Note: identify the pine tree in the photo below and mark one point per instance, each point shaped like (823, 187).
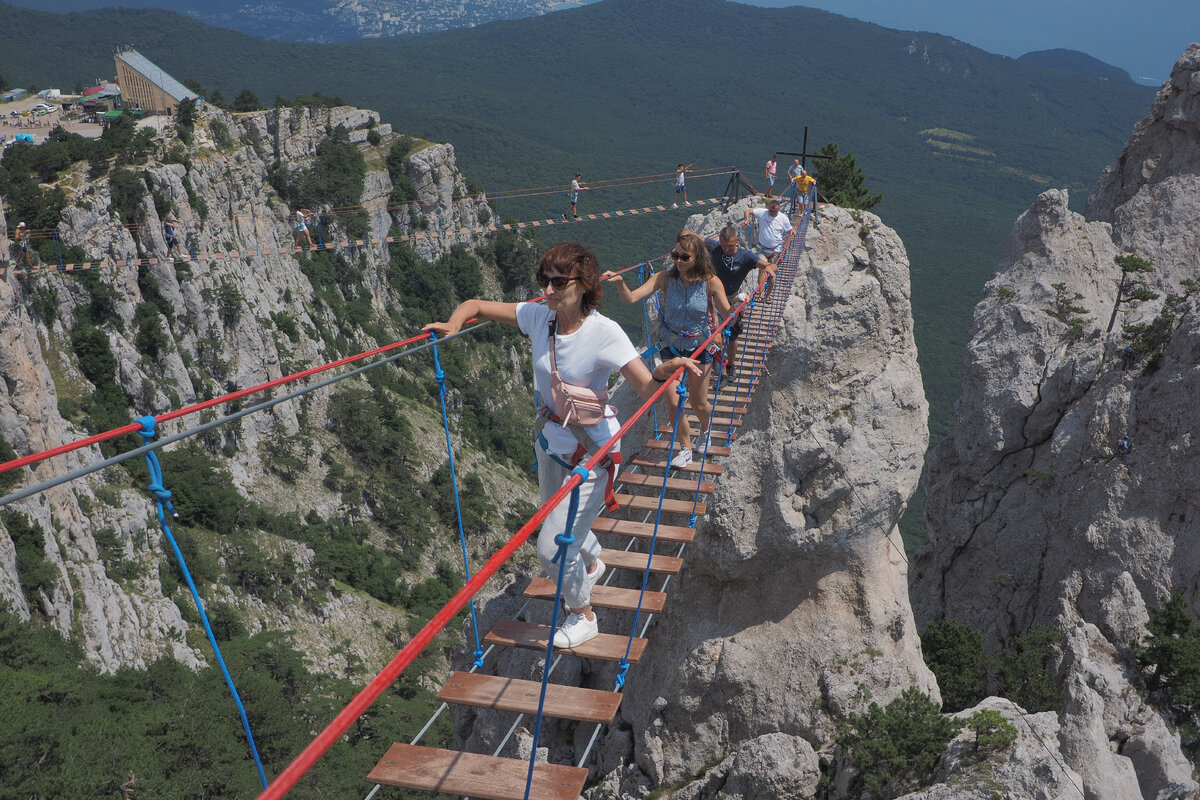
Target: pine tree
(840, 180)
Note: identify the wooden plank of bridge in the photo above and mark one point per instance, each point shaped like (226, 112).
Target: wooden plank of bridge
(512, 694)
(625, 559)
(639, 502)
(717, 422)
(696, 466)
(472, 775)
(663, 444)
(717, 434)
(643, 530)
(655, 482)
(726, 409)
(602, 596)
(530, 636)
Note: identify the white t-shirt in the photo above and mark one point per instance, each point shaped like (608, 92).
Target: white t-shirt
(586, 357)
(772, 230)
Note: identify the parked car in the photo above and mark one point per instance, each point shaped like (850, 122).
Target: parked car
(43, 107)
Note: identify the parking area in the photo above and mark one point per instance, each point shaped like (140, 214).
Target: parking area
(37, 117)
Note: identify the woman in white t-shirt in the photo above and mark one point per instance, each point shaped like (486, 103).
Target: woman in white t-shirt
(588, 348)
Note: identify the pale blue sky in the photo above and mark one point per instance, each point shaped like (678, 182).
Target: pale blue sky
(1142, 37)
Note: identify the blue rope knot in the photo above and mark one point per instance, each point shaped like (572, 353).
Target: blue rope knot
(563, 540)
(681, 390)
(159, 491)
(583, 472)
(622, 669)
(478, 655)
(148, 423)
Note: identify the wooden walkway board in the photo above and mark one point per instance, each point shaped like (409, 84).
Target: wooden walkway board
(528, 636)
(694, 467)
(717, 433)
(639, 502)
(663, 444)
(673, 484)
(718, 423)
(723, 409)
(473, 775)
(510, 694)
(643, 530)
(624, 559)
(603, 596)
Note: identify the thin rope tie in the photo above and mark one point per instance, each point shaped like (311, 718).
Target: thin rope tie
(162, 499)
(440, 375)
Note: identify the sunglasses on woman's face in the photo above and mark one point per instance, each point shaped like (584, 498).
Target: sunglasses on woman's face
(559, 282)
(681, 256)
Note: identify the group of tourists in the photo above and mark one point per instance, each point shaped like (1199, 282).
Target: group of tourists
(575, 351)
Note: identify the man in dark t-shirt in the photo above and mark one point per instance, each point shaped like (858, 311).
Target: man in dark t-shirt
(733, 263)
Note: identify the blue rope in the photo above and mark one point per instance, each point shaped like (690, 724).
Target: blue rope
(564, 540)
(163, 499)
(712, 413)
(623, 664)
(440, 375)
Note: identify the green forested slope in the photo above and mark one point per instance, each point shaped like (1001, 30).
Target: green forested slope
(959, 141)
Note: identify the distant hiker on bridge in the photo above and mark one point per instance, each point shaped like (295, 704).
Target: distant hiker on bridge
(681, 183)
(773, 228)
(303, 215)
(769, 173)
(575, 351)
(688, 290)
(573, 196)
(169, 224)
(732, 264)
(21, 240)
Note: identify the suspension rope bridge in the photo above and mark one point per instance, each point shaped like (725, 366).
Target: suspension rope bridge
(419, 767)
(197, 251)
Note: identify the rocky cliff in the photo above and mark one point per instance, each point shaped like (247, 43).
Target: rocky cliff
(1036, 513)
(245, 311)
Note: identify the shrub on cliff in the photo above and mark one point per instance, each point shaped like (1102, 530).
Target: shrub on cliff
(954, 652)
(1170, 664)
(896, 748)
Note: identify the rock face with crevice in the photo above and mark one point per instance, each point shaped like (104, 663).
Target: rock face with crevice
(792, 611)
(1035, 515)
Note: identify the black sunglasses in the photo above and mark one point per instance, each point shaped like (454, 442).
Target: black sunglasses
(558, 281)
(681, 256)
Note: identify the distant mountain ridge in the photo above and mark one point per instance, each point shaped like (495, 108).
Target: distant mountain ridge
(1075, 61)
(325, 20)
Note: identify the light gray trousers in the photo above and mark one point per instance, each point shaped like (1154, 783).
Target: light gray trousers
(586, 548)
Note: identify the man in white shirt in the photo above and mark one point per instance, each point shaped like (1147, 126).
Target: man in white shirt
(773, 228)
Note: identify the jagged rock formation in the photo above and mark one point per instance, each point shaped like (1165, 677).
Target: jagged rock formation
(223, 336)
(1031, 767)
(1033, 516)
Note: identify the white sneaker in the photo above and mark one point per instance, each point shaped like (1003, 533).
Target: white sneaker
(594, 577)
(702, 442)
(682, 459)
(674, 205)
(575, 631)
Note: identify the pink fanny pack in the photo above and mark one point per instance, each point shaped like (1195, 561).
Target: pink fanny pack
(574, 405)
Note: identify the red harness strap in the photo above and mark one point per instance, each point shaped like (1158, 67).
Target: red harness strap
(612, 464)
